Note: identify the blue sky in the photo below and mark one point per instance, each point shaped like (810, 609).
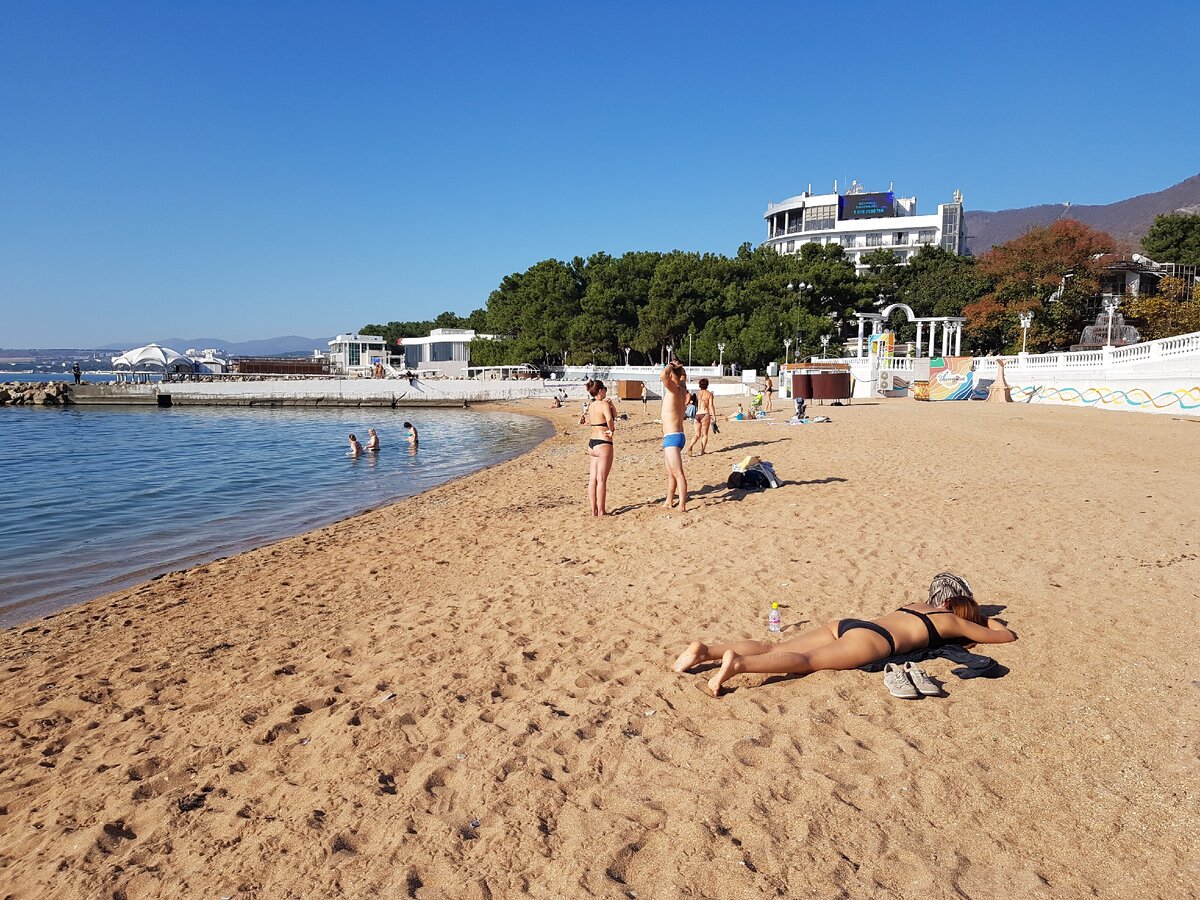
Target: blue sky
(246, 170)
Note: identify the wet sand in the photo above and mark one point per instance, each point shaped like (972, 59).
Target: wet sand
(469, 694)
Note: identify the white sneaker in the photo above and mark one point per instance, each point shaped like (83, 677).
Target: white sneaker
(897, 683)
(922, 682)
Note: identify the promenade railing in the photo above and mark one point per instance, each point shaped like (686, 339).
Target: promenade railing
(1182, 345)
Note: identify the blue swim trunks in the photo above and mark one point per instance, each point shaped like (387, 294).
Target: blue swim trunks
(675, 439)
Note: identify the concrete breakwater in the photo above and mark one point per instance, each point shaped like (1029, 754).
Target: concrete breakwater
(348, 392)
(34, 393)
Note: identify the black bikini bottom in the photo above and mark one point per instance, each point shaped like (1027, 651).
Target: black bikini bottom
(595, 442)
(850, 624)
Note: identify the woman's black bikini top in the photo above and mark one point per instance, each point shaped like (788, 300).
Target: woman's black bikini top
(936, 640)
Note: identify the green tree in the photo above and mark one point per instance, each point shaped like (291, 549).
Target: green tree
(615, 288)
(935, 282)
(1174, 238)
(532, 313)
(449, 319)
(683, 289)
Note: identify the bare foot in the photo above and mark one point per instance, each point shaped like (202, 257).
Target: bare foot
(689, 657)
(723, 674)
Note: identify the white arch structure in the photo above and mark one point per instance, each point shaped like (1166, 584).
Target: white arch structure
(951, 327)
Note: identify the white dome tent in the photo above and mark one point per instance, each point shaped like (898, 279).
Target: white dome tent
(151, 358)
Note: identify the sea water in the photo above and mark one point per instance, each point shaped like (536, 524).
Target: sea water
(96, 499)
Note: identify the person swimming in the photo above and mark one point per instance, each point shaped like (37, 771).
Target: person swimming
(411, 434)
(372, 441)
(356, 449)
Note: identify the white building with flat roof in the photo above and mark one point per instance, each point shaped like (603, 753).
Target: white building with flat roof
(446, 351)
(862, 222)
(356, 354)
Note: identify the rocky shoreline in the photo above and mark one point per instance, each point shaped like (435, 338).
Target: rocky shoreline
(35, 393)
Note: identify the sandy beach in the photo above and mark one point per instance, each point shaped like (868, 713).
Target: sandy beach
(468, 694)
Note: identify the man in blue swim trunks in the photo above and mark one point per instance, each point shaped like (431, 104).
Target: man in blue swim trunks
(675, 398)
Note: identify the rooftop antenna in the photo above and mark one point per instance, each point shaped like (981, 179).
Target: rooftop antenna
(891, 186)
(835, 185)
(810, 187)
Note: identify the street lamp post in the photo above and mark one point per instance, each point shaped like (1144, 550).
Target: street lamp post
(1026, 321)
(787, 342)
(670, 350)
(721, 361)
(799, 287)
(824, 345)
(627, 349)
(1110, 307)
(689, 347)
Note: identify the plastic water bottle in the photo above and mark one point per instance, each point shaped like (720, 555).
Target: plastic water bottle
(774, 619)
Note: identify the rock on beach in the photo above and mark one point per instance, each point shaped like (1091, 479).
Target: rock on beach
(35, 393)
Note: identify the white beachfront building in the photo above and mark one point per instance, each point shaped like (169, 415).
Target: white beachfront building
(355, 354)
(446, 351)
(862, 222)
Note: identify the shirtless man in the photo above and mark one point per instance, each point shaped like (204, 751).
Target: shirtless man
(355, 447)
(675, 398)
(706, 413)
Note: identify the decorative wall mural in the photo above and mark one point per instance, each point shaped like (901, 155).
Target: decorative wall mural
(1183, 398)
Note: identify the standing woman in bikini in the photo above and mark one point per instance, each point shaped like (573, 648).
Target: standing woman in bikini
(850, 643)
(600, 419)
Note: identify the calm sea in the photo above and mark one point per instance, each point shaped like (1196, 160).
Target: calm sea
(92, 500)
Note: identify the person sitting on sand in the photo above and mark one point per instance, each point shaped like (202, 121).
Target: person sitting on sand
(372, 441)
(555, 403)
(411, 434)
(356, 449)
(850, 643)
(739, 415)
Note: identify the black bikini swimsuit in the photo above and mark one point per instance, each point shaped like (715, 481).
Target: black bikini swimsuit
(850, 624)
(936, 640)
(596, 442)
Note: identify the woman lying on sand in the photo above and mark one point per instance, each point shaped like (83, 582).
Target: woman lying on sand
(850, 643)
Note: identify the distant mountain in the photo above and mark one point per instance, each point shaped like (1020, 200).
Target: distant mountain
(1126, 220)
(269, 347)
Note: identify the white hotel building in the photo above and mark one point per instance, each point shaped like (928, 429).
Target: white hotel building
(862, 222)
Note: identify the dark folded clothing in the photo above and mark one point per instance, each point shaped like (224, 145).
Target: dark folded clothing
(971, 665)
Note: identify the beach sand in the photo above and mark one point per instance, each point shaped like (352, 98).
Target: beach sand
(468, 694)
